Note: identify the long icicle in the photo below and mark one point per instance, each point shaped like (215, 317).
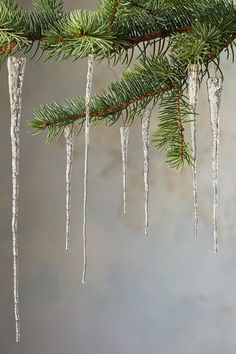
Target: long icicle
(146, 142)
(214, 86)
(124, 139)
(87, 126)
(69, 137)
(193, 73)
(16, 70)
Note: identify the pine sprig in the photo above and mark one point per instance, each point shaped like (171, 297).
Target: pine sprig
(13, 26)
(133, 22)
(139, 87)
(20, 29)
(174, 115)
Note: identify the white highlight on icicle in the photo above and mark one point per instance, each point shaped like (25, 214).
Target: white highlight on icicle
(16, 69)
(146, 142)
(124, 139)
(69, 137)
(214, 86)
(193, 73)
(87, 126)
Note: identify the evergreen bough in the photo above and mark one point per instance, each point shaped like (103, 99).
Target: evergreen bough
(164, 36)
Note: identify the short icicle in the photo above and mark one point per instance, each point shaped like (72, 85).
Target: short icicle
(69, 138)
(214, 86)
(16, 70)
(124, 139)
(87, 126)
(146, 142)
(193, 74)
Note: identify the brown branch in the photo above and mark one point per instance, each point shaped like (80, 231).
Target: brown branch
(129, 40)
(7, 48)
(113, 109)
(113, 16)
(157, 34)
(215, 54)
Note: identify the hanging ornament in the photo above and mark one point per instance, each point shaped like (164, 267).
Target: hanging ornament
(16, 70)
(193, 73)
(146, 142)
(214, 86)
(69, 137)
(124, 139)
(87, 126)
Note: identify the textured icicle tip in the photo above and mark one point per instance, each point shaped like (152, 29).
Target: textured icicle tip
(87, 128)
(16, 70)
(214, 86)
(193, 74)
(124, 139)
(69, 137)
(146, 141)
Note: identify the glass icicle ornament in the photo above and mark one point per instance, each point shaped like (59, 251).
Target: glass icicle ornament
(16, 70)
(193, 74)
(146, 142)
(87, 126)
(124, 139)
(214, 86)
(69, 138)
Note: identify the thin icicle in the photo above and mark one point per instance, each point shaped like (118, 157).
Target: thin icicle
(16, 69)
(146, 141)
(193, 96)
(69, 137)
(87, 126)
(124, 138)
(215, 86)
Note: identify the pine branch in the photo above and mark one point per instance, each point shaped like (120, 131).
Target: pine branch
(153, 77)
(145, 84)
(196, 32)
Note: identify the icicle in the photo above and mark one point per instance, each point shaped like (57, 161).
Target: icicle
(146, 141)
(124, 138)
(214, 86)
(87, 126)
(193, 96)
(69, 137)
(16, 69)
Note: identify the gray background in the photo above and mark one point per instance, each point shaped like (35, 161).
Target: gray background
(166, 294)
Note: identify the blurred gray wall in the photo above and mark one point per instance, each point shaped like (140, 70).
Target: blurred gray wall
(164, 294)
